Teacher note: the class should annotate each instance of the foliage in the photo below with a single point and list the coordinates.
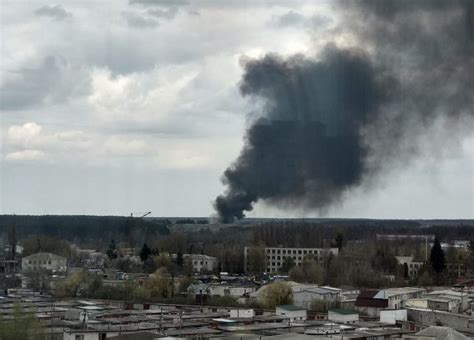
(112, 250)
(288, 263)
(145, 252)
(23, 325)
(159, 285)
(38, 280)
(85, 229)
(79, 283)
(45, 244)
(437, 258)
(277, 293)
(310, 271)
(339, 240)
(256, 259)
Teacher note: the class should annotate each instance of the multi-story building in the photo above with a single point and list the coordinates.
(201, 263)
(413, 267)
(44, 261)
(275, 256)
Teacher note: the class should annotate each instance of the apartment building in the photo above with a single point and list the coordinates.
(275, 256)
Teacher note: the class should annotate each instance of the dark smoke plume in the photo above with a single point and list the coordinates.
(329, 122)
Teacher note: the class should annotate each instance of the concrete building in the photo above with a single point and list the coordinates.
(44, 261)
(391, 316)
(201, 263)
(343, 316)
(275, 256)
(306, 296)
(427, 317)
(294, 313)
(241, 313)
(413, 267)
(371, 302)
(448, 300)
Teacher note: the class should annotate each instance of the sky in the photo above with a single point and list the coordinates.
(113, 107)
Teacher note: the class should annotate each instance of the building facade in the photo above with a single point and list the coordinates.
(44, 261)
(201, 263)
(275, 256)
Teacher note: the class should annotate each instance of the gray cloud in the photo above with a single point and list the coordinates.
(290, 18)
(293, 19)
(161, 9)
(160, 3)
(56, 12)
(53, 81)
(140, 21)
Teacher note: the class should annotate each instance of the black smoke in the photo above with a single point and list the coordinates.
(331, 121)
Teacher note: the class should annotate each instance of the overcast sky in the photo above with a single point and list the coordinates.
(112, 107)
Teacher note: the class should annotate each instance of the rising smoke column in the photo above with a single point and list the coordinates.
(329, 122)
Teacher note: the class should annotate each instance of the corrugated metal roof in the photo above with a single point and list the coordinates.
(442, 333)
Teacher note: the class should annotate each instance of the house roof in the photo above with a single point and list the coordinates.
(367, 299)
(343, 311)
(44, 256)
(136, 336)
(322, 290)
(442, 333)
(291, 307)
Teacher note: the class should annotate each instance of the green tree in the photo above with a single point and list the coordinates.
(112, 250)
(145, 252)
(38, 280)
(287, 264)
(179, 259)
(22, 326)
(277, 293)
(339, 240)
(437, 258)
(256, 260)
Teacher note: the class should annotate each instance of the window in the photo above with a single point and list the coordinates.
(299, 251)
(49, 262)
(79, 337)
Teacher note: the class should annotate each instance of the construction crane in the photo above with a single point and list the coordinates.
(143, 214)
(131, 225)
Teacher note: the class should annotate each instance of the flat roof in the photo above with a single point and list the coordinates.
(291, 307)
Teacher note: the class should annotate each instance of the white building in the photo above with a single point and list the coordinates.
(293, 312)
(275, 256)
(393, 315)
(201, 263)
(304, 297)
(239, 313)
(413, 267)
(343, 316)
(44, 261)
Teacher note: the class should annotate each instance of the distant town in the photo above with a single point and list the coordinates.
(92, 277)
